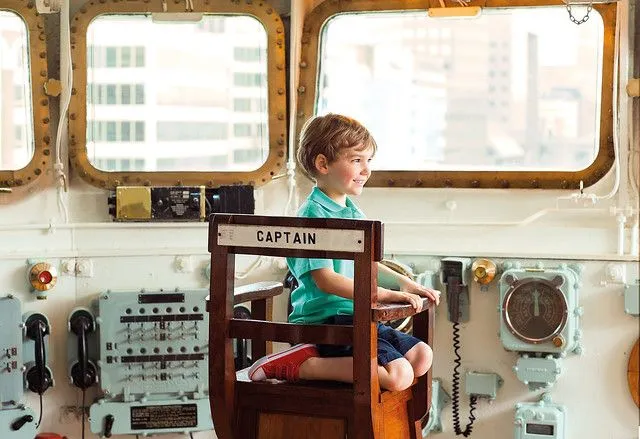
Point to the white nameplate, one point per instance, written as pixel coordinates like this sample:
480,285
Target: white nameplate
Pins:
302,238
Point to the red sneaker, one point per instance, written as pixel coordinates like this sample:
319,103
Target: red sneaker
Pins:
284,365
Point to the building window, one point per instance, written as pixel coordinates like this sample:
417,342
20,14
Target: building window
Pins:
178,131
248,54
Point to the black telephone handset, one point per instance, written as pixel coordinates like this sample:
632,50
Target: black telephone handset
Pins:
83,371
38,376
452,276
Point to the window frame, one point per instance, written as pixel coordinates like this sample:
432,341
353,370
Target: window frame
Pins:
30,175
314,23
276,93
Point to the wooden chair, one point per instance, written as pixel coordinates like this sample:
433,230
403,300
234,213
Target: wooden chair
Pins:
242,409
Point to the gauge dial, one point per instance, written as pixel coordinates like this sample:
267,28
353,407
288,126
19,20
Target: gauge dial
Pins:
535,310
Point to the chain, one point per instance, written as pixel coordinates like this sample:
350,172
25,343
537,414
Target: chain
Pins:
583,19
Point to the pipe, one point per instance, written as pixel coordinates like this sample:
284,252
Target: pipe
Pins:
621,235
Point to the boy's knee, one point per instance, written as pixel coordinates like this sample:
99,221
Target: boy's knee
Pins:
400,373
422,360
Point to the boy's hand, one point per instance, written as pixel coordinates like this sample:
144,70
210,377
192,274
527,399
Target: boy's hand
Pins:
391,296
409,286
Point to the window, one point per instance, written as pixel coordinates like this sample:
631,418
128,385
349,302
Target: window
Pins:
16,115
442,121
115,131
194,94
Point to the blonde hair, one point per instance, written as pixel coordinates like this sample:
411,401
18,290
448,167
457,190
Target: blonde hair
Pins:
328,135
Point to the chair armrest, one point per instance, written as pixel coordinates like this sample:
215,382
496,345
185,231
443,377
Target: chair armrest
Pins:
254,291
392,311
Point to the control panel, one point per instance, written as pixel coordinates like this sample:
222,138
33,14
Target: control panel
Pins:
183,203
539,318
153,363
543,419
22,361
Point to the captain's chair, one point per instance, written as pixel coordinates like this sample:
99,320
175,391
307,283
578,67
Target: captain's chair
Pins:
243,409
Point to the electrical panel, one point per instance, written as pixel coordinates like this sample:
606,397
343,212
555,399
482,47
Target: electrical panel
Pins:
543,419
180,203
21,355
153,363
539,318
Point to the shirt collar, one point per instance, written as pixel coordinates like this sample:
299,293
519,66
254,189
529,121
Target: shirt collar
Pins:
323,199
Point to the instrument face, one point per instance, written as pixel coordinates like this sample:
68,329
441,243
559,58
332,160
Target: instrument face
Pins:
535,310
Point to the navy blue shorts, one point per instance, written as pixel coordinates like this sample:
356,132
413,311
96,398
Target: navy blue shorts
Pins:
392,344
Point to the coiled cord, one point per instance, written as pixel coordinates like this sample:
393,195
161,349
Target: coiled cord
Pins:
456,389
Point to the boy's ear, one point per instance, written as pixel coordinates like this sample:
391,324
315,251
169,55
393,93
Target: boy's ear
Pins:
321,164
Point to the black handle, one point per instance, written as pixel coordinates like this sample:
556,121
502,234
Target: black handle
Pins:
83,372
38,377
19,423
108,425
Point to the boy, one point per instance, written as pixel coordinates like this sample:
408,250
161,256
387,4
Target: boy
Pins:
336,152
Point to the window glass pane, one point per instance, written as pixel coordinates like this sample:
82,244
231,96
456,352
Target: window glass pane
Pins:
16,120
190,93
514,89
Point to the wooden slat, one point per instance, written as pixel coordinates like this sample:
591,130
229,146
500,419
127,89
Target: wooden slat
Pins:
290,332
256,291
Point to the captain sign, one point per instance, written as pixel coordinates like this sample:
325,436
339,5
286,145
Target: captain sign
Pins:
285,237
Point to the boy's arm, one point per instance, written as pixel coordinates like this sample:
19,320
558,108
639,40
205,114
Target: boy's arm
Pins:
333,283
410,286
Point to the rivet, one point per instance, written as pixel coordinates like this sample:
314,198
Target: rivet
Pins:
280,66
45,120
448,182
44,102
43,73
280,141
390,182
279,30
535,183
42,55
300,113
46,139
73,91
564,184
40,25
280,116
303,64
72,116
418,182
116,182
73,142
475,183
37,171
281,91
280,153
46,151
301,89
269,11
504,183
41,36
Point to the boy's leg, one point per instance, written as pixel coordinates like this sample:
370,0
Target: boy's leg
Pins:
395,375
417,352
420,357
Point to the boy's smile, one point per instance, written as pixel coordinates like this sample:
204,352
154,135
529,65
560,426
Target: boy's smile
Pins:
346,175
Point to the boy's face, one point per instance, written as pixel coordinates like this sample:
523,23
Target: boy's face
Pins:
348,173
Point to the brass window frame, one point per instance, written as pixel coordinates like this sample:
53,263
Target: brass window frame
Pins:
307,89
30,175
276,92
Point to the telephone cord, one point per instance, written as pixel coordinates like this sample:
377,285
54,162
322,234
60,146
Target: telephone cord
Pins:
456,389
40,417
83,414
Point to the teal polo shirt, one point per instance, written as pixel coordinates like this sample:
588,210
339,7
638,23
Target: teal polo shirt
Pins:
310,304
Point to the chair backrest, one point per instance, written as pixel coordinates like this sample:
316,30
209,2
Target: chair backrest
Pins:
357,240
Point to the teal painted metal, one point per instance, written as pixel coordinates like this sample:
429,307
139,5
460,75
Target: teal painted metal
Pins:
632,298
17,421
543,419
482,385
538,372
569,276
11,351
12,418
152,362
439,398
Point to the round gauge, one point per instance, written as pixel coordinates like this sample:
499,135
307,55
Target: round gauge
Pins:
534,310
